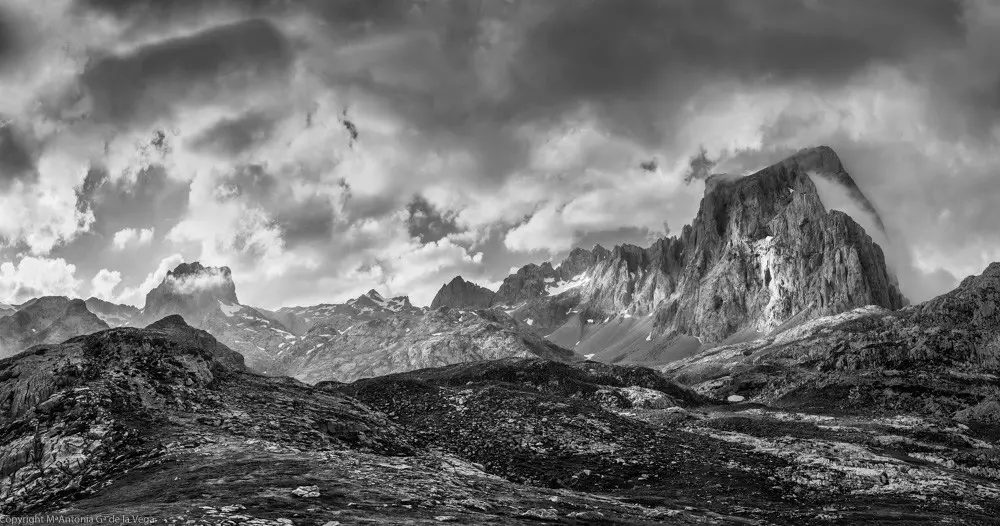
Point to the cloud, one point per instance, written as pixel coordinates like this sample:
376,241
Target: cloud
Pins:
32,277
512,129
125,236
103,284
699,167
210,278
137,295
212,65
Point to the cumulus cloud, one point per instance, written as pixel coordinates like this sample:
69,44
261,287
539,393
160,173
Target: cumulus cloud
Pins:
125,236
103,284
210,278
32,277
137,295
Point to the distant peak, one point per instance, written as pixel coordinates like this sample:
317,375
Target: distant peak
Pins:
374,294
457,280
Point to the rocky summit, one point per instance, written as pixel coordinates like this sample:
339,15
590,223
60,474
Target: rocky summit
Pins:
763,251
461,294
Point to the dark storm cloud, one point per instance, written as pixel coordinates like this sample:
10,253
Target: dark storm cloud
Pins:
653,53
699,167
231,136
8,40
17,161
154,198
148,82
427,223
301,220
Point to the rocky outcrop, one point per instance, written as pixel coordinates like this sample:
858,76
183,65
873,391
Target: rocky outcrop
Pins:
50,319
114,314
191,290
529,282
764,249
461,294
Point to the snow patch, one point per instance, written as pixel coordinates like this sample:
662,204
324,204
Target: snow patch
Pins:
558,288
228,309
529,321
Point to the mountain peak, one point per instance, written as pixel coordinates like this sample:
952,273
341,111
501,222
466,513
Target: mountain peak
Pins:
817,158
462,294
191,290
375,295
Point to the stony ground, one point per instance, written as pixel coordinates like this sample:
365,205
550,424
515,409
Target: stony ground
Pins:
153,423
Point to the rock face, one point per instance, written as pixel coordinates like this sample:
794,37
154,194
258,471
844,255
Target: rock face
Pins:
763,251
115,315
461,294
205,297
50,319
404,343
191,290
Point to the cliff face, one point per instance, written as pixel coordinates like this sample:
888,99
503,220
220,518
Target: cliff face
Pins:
191,290
762,251
461,294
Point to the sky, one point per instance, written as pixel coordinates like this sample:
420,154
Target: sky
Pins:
323,148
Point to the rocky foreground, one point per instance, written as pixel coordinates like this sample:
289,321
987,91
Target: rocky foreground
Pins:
165,422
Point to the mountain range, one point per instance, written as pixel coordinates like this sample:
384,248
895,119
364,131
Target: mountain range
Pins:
762,253
761,367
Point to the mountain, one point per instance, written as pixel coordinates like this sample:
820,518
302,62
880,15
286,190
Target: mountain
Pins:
937,359
340,316
762,252
50,319
167,418
115,315
206,298
461,294
403,343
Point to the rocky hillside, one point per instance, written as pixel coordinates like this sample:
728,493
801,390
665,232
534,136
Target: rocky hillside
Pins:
404,343
939,358
762,252
165,420
50,319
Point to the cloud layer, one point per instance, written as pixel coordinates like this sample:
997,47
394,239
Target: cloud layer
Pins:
323,148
